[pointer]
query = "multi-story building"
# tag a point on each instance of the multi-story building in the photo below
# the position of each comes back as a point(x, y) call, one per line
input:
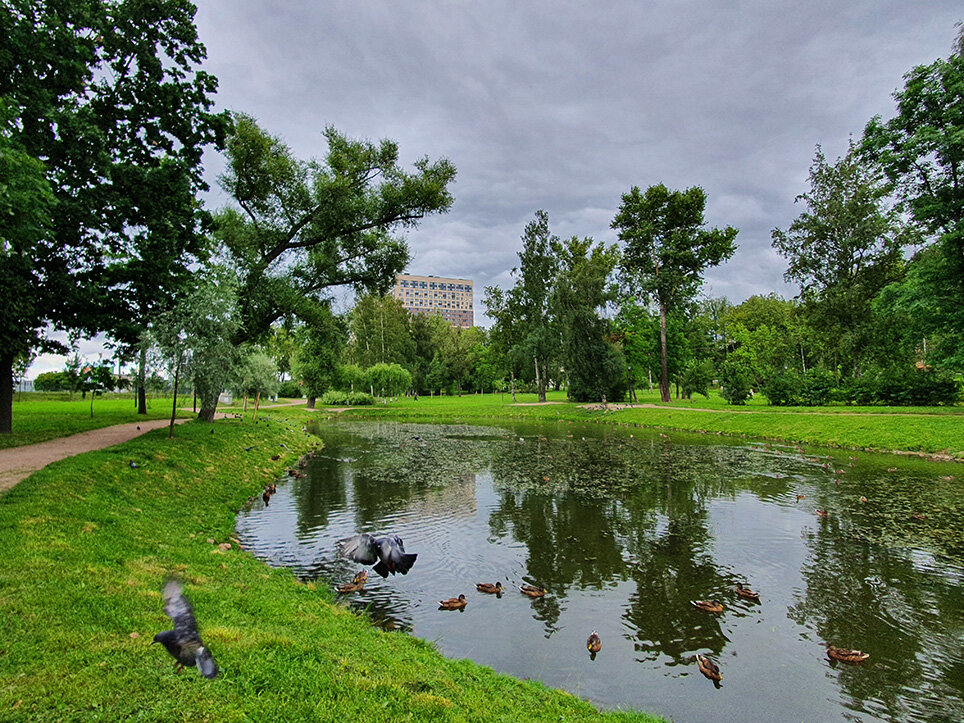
point(452, 298)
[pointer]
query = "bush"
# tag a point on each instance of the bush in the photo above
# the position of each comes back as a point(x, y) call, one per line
point(819, 388)
point(783, 389)
point(696, 378)
point(290, 390)
point(734, 383)
point(920, 387)
point(350, 399)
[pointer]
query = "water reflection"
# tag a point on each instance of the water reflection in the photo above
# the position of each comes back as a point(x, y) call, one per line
point(624, 532)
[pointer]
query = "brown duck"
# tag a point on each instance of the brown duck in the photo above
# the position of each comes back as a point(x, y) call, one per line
point(488, 587)
point(532, 590)
point(846, 656)
point(708, 668)
point(453, 603)
point(708, 606)
point(594, 643)
point(357, 583)
point(747, 593)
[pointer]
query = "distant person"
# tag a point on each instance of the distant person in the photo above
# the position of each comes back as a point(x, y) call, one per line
point(416, 396)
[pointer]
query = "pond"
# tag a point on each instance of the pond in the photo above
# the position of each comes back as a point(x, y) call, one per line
point(623, 528)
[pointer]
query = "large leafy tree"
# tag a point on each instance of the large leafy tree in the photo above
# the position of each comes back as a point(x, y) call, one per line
point(297, 229)
point(667, 250)
point(580, 293)
point(105, 95)
point(523, 314)
point(380, 332)
point(322, 346)
point(842, 250)
point(921, 149)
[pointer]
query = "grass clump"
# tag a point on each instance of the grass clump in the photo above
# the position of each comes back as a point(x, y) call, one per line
point(87, 544)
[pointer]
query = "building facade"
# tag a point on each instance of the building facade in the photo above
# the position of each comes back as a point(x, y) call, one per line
point(452, 298)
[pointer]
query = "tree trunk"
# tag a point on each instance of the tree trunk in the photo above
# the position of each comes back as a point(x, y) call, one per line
point(663, 363)
point(540, 381)
point(244, 407)
point(142, 381)
point(206, 414)
point(512, 376)
point(177, 374)
point(6, 394)
point(311, 402)
point(257, 403)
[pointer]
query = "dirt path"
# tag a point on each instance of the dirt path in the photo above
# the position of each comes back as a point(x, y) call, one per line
point(19, 462)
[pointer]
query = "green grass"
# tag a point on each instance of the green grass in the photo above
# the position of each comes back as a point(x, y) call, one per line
point(87, 544)
point(925, 430)
point(37, 419)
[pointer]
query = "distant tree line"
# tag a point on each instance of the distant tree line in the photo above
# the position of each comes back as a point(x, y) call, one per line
point(105, 114)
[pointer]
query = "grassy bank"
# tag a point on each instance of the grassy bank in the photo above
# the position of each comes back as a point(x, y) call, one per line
point(926, 430)
point(87, 544)
point(37, 419)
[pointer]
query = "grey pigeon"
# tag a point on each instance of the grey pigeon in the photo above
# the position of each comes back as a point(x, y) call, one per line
point(184, 641)
point(388, 551)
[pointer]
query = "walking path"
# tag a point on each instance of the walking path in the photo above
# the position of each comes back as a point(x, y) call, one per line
point(16, 463)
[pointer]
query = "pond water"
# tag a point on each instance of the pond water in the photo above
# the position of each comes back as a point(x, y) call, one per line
point(624, 528)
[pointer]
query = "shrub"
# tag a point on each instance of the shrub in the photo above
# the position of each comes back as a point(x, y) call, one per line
point(351, 399)
point(783, 388)
point(819, 387)
point(696, 378)
point(290, 390)
point(735, 382)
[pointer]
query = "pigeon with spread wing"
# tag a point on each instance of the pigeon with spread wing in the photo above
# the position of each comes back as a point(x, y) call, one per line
point(387, 553)
point(184, 642)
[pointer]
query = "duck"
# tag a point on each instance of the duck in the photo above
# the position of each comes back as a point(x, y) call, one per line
point(532, 590)
point(593, 643)
point(846, 656)
point(708, 668)
point(823, 513)
point(492, 589)
point(453, 603)
point(747, 593)
point(266, 497)
point(357, 583)
point(708, 606)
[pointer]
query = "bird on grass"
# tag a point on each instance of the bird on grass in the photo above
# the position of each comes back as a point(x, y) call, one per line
point(846, 656)
point(453, 603)
point(708, 606)
point(184, 642)
point(747, 593)
point(133, 464)
point(387, 553)
point(593, 643)
point(710, 669)
point(357, 583)
point(532, 590)
point(488, 587)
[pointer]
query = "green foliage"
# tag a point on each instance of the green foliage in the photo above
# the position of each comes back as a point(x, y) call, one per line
point(904, 386)
point(350, 376)
point(339, 398)
point(389, 379)
point(290, 389)
point(697, 377)
point(322, 343)
point(257, 374)
point(784, 388)
point(53, 382)
point(819, 386)
point(299, 228)
point(735, 381)
point(667, 250)
point(380, 332)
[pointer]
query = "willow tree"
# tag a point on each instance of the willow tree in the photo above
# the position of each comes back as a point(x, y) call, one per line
point(667, 250)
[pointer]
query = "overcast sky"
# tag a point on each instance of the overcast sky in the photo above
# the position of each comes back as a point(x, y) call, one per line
point(565, 106)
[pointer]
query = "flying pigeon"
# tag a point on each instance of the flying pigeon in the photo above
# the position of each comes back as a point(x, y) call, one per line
point(389, 551)
point(184, 641)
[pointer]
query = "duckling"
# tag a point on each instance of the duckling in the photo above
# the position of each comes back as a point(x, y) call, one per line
point(593, 643)
point(532, 590)
point(357, 583)
point(708, 606)
point(846, 656)
point(488, 587)
point(453, 603)
point(708, 668)
point(747, 593)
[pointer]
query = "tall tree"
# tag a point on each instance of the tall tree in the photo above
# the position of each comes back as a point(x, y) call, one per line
point(842, 250)
point(300, 228)
point(105, 94)
point(667, 250)
point(523, 313)
point(581, 290)
point(322, 345)
point(921, 149)
point(380, 332)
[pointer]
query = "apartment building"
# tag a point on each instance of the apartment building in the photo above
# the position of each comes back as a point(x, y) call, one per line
point(452, 298)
